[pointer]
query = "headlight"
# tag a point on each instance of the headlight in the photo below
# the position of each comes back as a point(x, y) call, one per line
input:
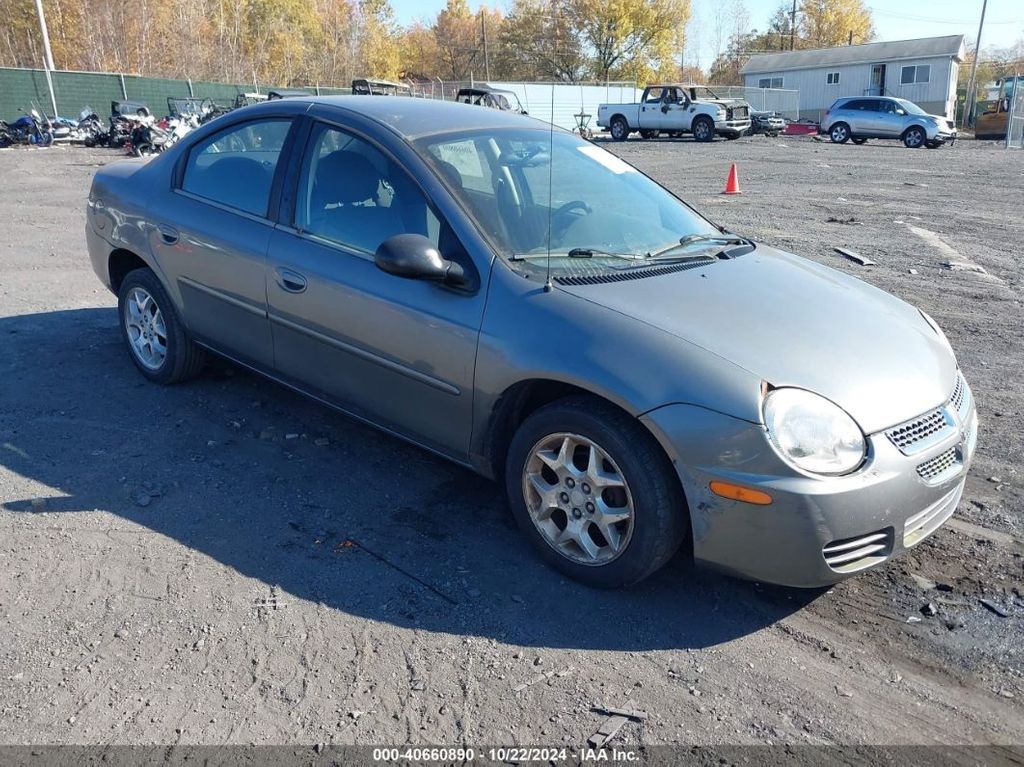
point(811, 433)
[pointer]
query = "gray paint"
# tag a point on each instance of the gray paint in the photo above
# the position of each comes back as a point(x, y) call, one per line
point(687, 353)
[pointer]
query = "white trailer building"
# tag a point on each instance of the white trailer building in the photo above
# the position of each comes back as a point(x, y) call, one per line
point(923, 71)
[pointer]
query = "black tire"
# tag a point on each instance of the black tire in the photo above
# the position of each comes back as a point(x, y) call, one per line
point(619, 128)
point(184, 358)
point(839, 133)
point(932, 144)
point(660, 514)
point(914, 137)
point(859, 141)
point(648, 134)
point(703, 128)
point(732, 136)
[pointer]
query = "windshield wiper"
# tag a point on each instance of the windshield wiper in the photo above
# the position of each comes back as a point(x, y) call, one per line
point(580, 253)
point(690, 239)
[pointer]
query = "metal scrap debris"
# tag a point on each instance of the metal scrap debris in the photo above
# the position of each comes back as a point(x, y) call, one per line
point(862, 260)
point(610, 727)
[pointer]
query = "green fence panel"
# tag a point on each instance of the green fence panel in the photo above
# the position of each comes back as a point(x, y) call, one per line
point(23, 89)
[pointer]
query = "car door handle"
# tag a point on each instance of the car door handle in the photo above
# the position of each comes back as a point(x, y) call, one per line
point(291, 281)
point(168, 234)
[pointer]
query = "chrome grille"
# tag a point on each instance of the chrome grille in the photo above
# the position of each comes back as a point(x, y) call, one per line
point(961, 399)
point(916, 435)
point(941, 467)
point(925, 431)
point(850, 554)
point(957, 400)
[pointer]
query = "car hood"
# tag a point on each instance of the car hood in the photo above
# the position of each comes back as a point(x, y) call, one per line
point(793, 322)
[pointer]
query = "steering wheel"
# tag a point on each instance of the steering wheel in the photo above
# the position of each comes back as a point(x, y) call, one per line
point(572, 205)
point(560, 215)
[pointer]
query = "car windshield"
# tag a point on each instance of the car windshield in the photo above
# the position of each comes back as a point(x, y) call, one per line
point(597, 206)
point(911, 107)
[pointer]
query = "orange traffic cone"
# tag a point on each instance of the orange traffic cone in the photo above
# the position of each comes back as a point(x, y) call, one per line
point(732, 184)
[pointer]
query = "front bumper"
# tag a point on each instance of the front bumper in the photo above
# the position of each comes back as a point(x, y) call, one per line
point(817, 531)
point(732, 127)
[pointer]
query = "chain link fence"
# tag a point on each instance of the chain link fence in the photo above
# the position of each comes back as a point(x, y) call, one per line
point(564, 104)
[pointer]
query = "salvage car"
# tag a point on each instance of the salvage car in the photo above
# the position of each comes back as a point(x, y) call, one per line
point(770, 124)
point(486, 96)
point(860, 119)
point(675, 110)
point(528, 305)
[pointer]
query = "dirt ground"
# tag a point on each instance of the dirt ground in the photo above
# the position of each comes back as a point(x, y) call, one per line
point(225, 562)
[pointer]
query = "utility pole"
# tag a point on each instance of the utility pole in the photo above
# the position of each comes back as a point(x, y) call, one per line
point(487, 59)
point(792, 28)
point(48, 60)
point(46, 35)
point(969, 100)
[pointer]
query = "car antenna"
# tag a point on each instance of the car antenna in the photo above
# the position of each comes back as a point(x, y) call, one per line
point(548, 287)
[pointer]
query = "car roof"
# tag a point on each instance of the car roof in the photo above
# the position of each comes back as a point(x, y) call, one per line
point(414, 118)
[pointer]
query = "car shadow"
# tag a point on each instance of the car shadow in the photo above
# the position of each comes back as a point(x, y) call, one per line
point(308, 501)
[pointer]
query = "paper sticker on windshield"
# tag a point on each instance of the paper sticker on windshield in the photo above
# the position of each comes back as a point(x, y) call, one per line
point(607, 159)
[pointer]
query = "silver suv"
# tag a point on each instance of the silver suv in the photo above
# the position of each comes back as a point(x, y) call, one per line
point(882, 117)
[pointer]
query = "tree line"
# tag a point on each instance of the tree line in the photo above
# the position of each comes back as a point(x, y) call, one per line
point(331, 42)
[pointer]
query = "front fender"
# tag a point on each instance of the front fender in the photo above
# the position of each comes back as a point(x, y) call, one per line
point(529, 333)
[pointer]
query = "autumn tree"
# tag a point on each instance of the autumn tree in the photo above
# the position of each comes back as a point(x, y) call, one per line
point(539, 41)
point(457, 33)
point(379, 41)
point(830, 23)
point(631, 39)
point(420, 52)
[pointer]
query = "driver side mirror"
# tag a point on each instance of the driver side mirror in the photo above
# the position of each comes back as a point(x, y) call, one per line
point(414, 257)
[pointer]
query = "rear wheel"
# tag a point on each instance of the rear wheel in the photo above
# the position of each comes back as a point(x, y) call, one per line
point(620, 128)
point(648, 134)
point(156, 339)
point(703, 128)
point(840, 133)
point(594, 493)
point(914, 137)
point(859, 141)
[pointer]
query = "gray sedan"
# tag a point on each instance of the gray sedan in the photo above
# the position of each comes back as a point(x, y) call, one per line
point(528, 305)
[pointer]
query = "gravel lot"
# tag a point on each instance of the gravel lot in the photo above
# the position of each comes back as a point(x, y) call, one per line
point(224, 561)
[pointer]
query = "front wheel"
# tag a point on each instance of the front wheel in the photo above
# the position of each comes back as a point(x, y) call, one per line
point(914, 137)
point(156, 339)
point(703, 128)
point(840, 133)
point(620, 128)
point(594, 493)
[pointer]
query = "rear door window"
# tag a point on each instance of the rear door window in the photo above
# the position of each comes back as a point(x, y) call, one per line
point(236, 166)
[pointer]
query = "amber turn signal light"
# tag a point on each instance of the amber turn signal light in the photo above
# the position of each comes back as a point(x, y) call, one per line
point(738, 493)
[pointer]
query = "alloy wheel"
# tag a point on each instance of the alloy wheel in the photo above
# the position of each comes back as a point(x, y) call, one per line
point(578, 499)
point(147, 332)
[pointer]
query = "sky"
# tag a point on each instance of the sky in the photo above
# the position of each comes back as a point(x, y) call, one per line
point(894, 20)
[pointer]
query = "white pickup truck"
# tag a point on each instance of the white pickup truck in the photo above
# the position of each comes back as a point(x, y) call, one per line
point(676, 109)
